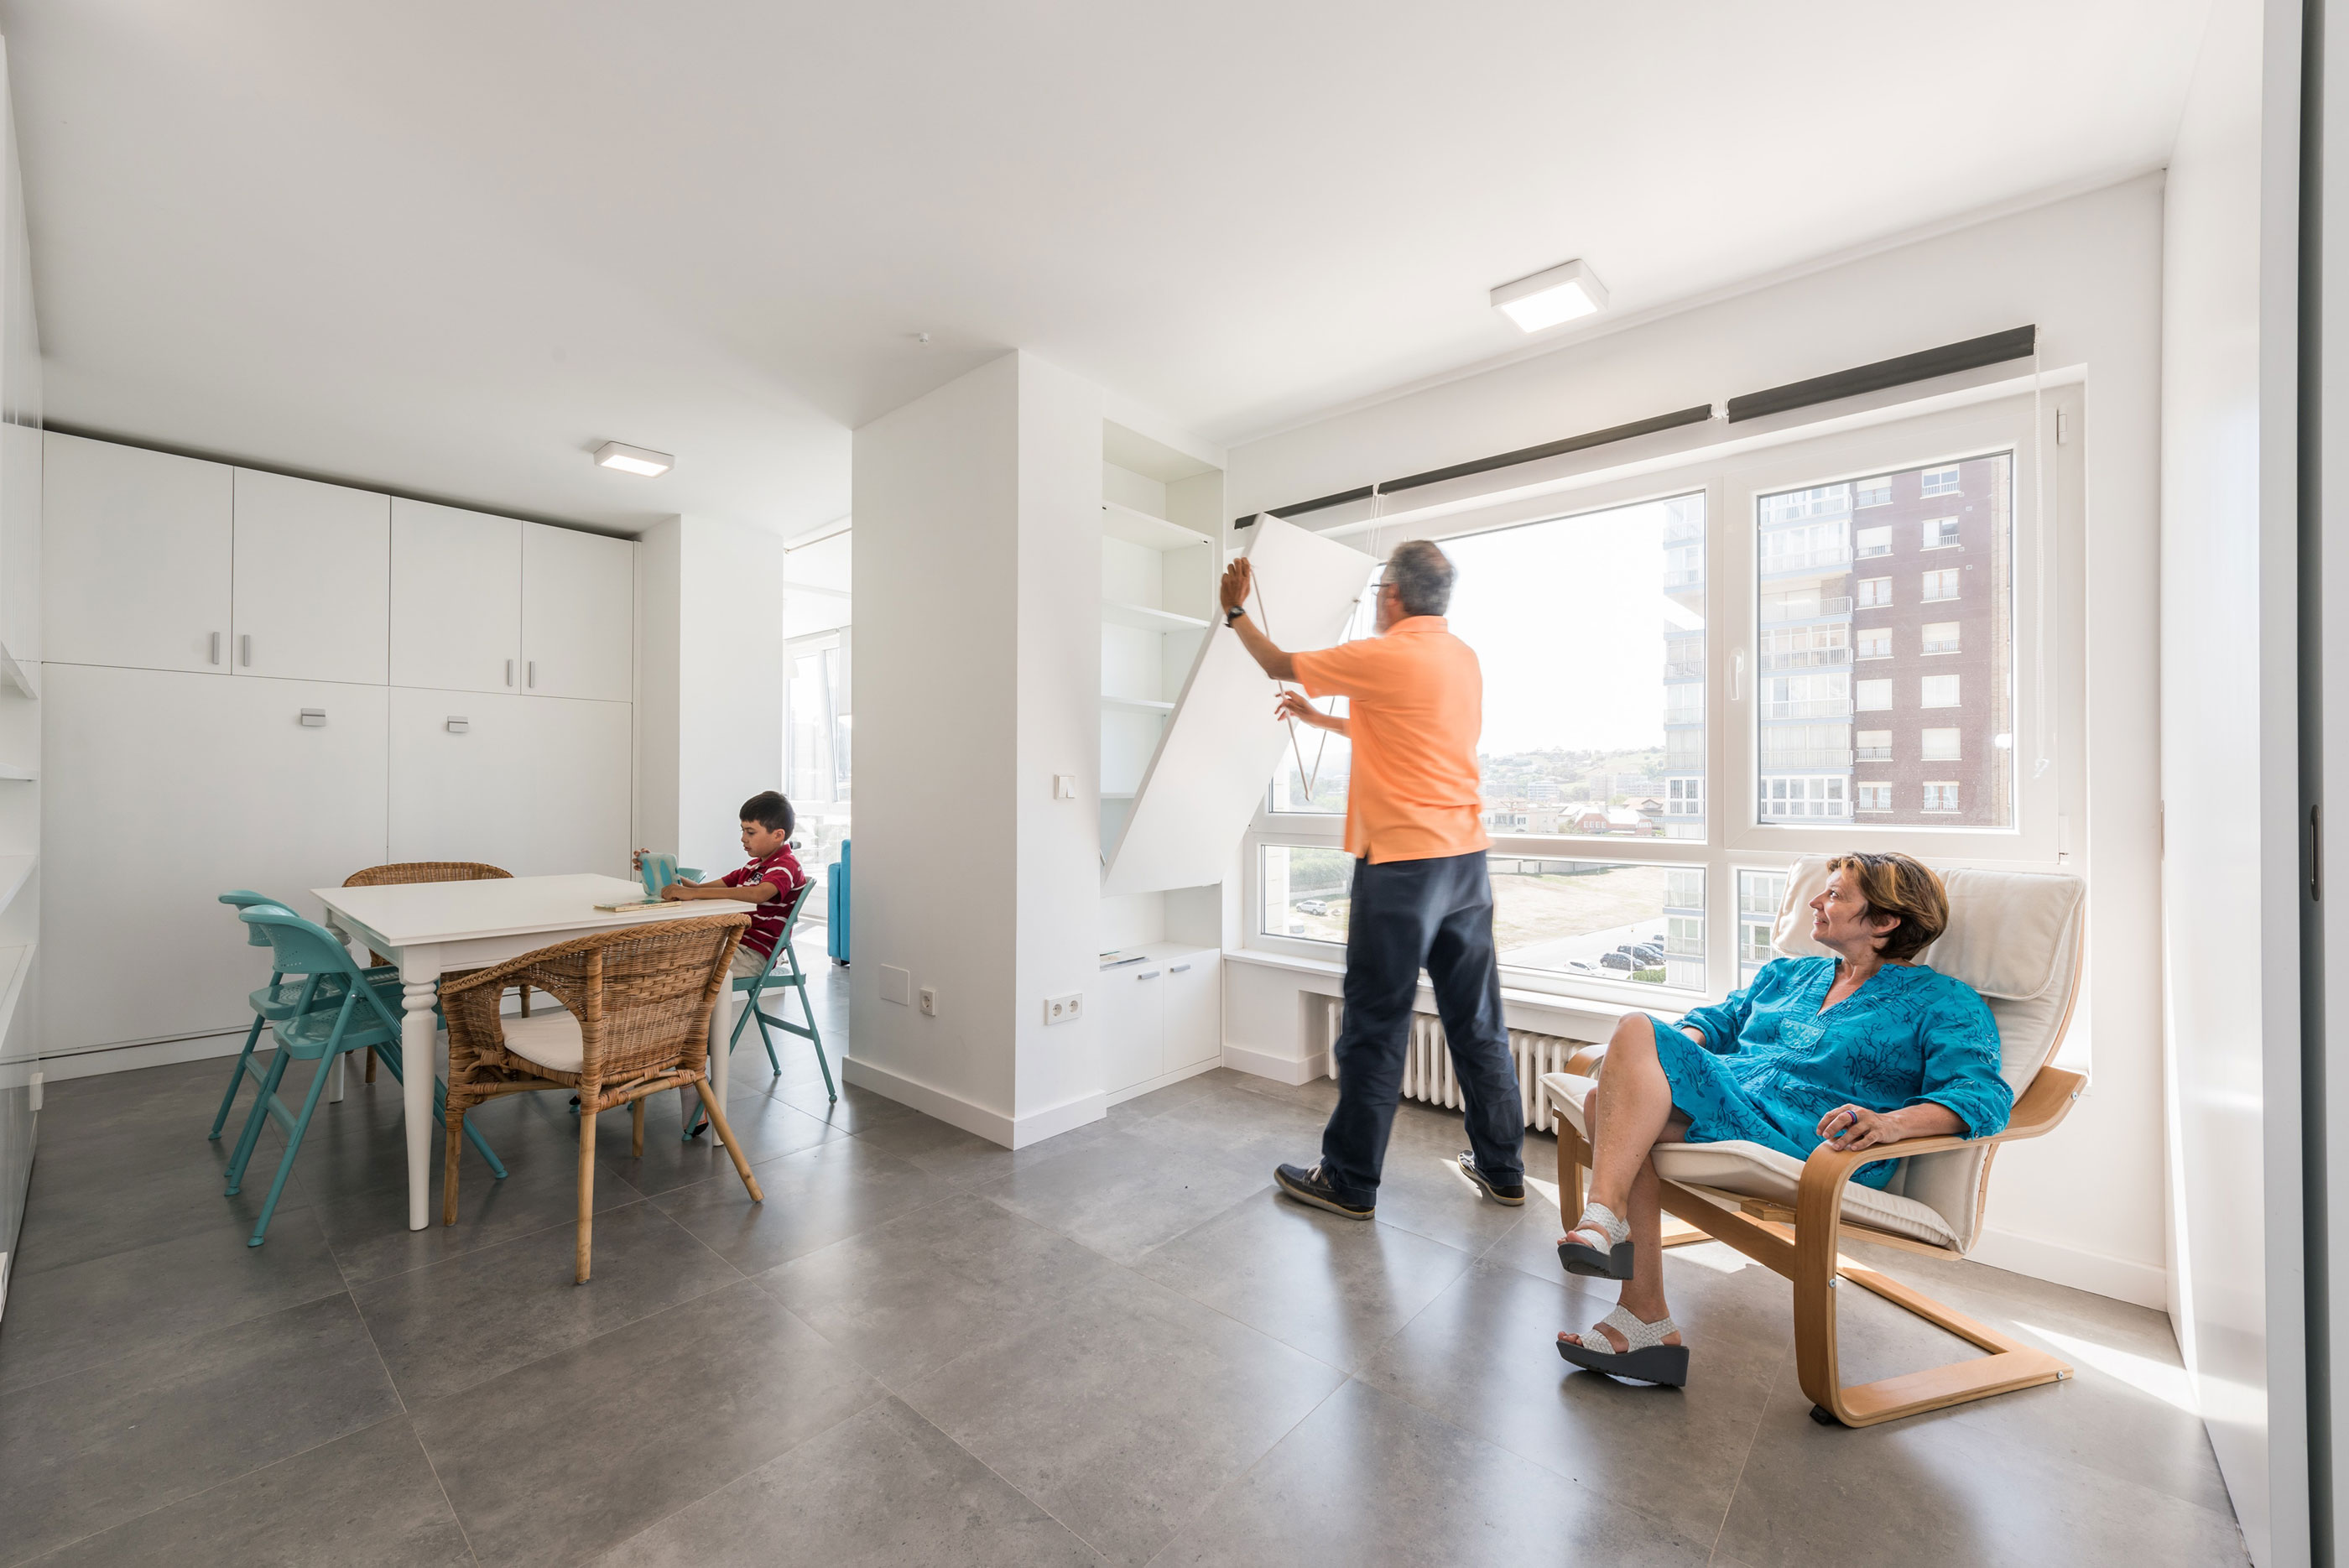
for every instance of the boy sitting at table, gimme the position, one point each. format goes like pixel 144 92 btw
pixel 770 883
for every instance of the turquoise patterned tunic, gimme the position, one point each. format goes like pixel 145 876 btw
pixel 1772 1064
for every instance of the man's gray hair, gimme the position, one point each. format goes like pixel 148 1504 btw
pixel 1421 576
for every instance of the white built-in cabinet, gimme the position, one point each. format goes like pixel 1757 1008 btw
pixel 380 706
pixel 1159 1018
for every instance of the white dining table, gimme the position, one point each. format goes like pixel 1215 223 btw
pixel 429 929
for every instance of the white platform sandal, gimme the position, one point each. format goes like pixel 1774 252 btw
pixel 1644 1355
pixel 1610 1262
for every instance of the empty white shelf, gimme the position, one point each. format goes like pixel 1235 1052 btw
pixel 15 963
pixel 1149 619
pixel 1150 533
pixel 11 771
pixel 1136 704
pixel 12 676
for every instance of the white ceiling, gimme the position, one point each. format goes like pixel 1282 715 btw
pixel 447 247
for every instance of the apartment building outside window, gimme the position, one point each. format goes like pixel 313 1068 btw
pixel 1938 691
pixel 1941 636
pixel 1875 746
pixel 1938 533
pixel 1875 592
pixel 1871 542
pixel 1875 697
pixel 1942 480
pixel 1940 746
pixel 1874 796
pixel 1877 492
pixel 1941 796
pixel 1873 642
pixel 1941 585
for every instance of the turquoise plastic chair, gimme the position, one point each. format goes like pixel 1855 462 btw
pixel 789 976
pixel 278 1001
pixel 364 1019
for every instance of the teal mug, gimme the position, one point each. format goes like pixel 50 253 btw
pixel 659 872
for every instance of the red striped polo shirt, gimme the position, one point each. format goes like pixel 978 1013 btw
pixel 782 869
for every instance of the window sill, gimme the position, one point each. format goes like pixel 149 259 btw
pixel 1589 1012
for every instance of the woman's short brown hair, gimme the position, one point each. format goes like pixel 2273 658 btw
pixel 1902 885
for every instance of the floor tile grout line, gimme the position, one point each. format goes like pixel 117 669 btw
pixel 433 1466
pixel 1761 1418
pixel 206 1490
pixel 1344 1382
pixel 341 1288
pixel 486 1246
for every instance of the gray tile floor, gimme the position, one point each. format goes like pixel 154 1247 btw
pixel 1116 1346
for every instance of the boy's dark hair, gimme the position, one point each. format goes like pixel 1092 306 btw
pixel 771 811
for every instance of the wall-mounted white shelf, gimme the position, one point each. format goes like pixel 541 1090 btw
pixel 12 676
pixel 11 771
pixel 1136 704
pixel 1150 533
pixel 1117 795
pixel 1148 618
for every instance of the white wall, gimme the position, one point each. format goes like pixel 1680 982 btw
pixel 935 682
pixel 2229 760
pixel 709 722
pixel 2083 1207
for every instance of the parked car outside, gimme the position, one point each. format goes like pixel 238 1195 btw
pixel 1312 906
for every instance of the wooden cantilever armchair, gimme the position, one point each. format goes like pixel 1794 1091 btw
pixel 2015 936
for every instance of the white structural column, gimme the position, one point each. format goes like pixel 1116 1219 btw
pixel 420 975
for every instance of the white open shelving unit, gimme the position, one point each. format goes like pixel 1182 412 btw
pixel 1160 1017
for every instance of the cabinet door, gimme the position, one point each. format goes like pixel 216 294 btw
pixel 461 794
pixel 1194 1010
pixel 313 598
pixel 456 598
pixel 1132 1025
pixel 580 781
pixel 135 551
pixel 578 614
pixel 162 792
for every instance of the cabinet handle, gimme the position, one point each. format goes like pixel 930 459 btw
pixel 509 671
pixel 533 674
pixel 1176 968
pixel 313 718
pixel 215 648
pixel 244 650
pixel 1147 974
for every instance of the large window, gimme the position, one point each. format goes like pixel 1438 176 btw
pixel 1674 709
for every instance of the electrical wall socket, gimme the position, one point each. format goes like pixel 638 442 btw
pixel 1064 1008
pixel 929 1002
pixel 897 984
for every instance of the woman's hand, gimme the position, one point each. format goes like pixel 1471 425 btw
pixel 1855 1127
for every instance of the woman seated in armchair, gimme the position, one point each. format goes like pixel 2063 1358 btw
pixel 1858 1051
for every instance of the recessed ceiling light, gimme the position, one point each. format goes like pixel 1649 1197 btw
pixel 634 459
pixel 1559 294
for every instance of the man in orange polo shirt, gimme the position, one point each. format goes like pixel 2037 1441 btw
pixel 1422 895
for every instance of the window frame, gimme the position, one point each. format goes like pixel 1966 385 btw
pixel 1735 839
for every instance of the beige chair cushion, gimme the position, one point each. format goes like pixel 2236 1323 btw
pixel 549 1037
pixel 1750 1170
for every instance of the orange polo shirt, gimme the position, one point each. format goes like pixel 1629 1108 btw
pixel 1415 706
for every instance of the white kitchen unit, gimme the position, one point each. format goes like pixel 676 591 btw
pixel 537 786
pixel 311 595
pixel 136 548
pixel 1158 1020
pixel 456 598
pixel 578 614
pixel 168 789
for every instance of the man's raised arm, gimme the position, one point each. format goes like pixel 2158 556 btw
pixel 1237 579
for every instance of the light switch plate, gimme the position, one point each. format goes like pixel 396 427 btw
pixel 1064 787
pixel 897 985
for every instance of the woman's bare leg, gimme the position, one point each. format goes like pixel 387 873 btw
pixel 1617 1113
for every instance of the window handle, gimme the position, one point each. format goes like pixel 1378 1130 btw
pixel 1737 677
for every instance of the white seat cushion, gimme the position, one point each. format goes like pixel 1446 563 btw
pixel 551 1039
pixel 1751 1170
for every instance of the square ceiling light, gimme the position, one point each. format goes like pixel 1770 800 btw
pixel 1559 294
pixel 634 459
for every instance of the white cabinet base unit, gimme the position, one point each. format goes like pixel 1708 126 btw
pixel 578 614
pixel 456 598
pixel 312 600
pixel 166 790
pixel 1159 1020
pixel 136 548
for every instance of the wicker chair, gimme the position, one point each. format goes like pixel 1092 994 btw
pixel 402 872
pixel 635 1022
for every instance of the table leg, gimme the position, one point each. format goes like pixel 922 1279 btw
pixel 420 1067
pixel 721 1025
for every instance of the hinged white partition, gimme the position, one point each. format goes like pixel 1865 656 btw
pixel 1221 744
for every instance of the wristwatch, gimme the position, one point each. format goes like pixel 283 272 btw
pixel 1233 614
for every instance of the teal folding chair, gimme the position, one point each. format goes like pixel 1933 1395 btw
pixel 316 1030
pixel 782 972
pixel 279 1000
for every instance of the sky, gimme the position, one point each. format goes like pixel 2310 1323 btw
pixel 1571 659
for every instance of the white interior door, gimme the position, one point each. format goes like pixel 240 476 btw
pixel 461 768
pixel 312 580
pixel 1194 1010
pixel 135 550
pixel 578 614
pixel 456 598
pixel 579 785
pixel 164 789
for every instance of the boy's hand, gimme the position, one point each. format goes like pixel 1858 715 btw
pixel 1238 580
pixel 636 862
pixel 675 891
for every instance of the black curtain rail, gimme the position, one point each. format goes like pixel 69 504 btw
pixel 1997 348
pixel 1947 360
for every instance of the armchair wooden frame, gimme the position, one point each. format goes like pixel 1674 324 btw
pixel 1803 1245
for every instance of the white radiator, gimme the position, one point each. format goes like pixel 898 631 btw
pixel 1427 1064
